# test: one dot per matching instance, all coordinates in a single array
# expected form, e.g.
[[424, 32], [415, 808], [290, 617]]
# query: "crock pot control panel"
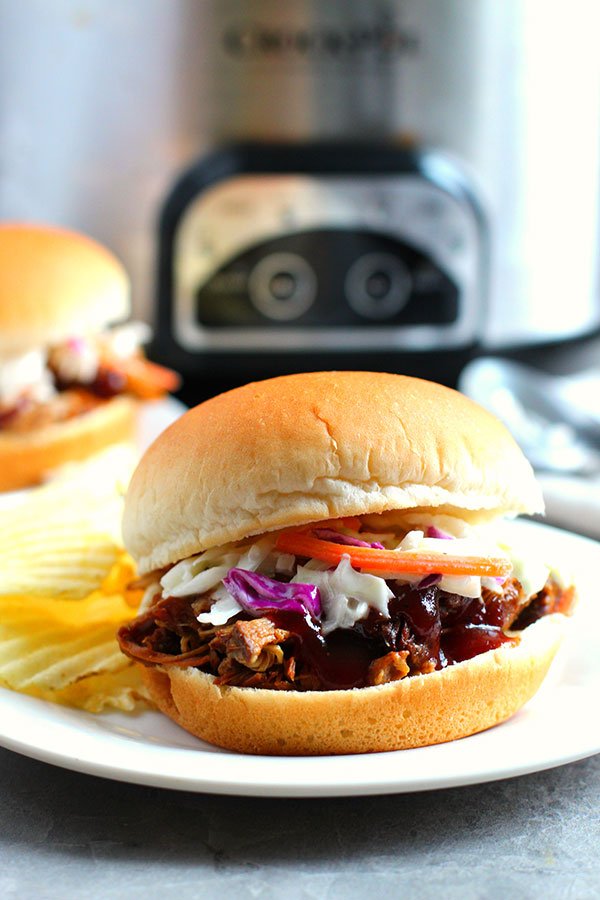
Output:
[[274, 262]]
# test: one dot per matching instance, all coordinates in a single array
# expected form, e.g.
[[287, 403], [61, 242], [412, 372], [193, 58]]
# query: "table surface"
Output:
[[66, 835]]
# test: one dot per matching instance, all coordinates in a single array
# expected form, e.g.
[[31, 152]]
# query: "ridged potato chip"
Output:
[[67, 652], [64, 592], [74, 573], [122, 690], [64, 539]]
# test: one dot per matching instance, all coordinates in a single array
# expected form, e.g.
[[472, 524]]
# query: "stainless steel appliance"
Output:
[[399, 183], [293, 256]]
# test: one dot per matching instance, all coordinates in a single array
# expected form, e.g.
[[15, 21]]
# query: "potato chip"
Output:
[[64, 592], [73, 575], [64, 539], [122, 690], [67, 652]]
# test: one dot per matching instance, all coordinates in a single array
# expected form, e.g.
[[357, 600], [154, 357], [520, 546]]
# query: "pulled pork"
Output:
[[28, 415], [391, 667], [427, 629]]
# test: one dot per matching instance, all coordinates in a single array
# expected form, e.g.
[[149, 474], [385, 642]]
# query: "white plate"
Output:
[[560, 725]]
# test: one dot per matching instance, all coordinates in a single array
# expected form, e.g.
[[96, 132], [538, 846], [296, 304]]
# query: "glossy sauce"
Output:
[[421, 611], [340, 661], [466, 641]]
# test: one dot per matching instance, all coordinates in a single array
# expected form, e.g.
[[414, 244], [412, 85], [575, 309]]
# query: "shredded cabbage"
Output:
[[346, 595], [429, 581], [411, 541], [223, 609], [198, 574], [200, 583], [256, 554], [257, 594], [182, 579], [465, 585], [434, 532], [284, 563], [492, 584], [531, 572]]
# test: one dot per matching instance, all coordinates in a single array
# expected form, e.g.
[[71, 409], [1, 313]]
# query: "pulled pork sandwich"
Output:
[[322, 570], [69, 383]]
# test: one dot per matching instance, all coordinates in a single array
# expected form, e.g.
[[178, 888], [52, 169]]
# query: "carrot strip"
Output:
[[412, 561]]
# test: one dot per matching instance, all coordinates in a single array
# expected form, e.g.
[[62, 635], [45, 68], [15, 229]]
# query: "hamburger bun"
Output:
[[322, 445], [55, 284], [26, 458], [424, 709]]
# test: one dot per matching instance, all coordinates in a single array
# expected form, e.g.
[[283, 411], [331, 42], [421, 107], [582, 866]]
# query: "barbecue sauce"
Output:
[[340, 661], [466, 641]]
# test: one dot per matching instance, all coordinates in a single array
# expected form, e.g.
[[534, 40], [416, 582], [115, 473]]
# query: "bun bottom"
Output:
[[417, 711], [26, 458]]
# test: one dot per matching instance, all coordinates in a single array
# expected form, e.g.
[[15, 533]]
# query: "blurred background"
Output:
[[401, 184]]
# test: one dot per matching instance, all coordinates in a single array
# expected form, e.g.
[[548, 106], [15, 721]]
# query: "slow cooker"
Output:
[[400, 184]]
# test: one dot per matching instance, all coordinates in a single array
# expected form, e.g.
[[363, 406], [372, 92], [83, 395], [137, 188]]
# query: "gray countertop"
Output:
[[66, 835]]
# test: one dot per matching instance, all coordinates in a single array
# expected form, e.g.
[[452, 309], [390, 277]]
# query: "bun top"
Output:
[[304, 448], [55, 284]]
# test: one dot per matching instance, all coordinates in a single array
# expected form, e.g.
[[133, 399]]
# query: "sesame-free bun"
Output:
[[55, 284], [26, 458], [423, 709], [304, 448]]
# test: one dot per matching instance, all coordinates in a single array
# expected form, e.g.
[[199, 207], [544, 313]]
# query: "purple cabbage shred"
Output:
[[257, 594], [328, 534], [428, 581], [433, 532]]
